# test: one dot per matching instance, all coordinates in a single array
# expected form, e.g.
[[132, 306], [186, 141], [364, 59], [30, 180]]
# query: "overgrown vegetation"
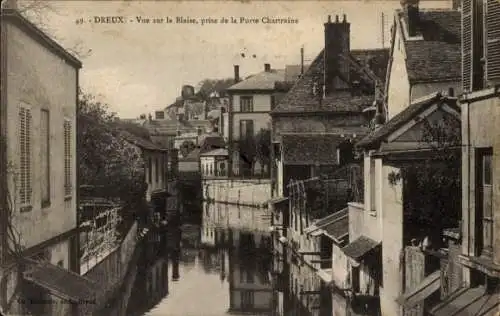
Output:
[[256, 149], [107, 161], [432, 185]]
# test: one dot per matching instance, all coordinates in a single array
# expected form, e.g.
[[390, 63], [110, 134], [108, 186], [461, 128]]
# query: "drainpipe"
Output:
[[466, 275], [230, 136]]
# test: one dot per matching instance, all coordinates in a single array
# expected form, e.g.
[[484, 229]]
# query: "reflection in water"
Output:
[[223, 267]]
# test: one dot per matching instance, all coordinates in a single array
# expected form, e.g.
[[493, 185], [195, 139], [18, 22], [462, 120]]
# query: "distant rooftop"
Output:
[[261, 81]]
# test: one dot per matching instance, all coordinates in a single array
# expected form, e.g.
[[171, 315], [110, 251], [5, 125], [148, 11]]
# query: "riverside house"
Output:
[[421, 129], [425, 52], [328, 107], [251, 100], [472, 286], [313, 130], [38, 161]]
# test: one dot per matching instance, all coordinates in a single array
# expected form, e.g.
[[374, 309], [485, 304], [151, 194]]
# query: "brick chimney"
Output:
[[412, 15], [236, 73], [267, 67], [337, 42]]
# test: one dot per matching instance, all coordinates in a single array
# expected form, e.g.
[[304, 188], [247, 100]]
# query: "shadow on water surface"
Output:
[[221, 267]]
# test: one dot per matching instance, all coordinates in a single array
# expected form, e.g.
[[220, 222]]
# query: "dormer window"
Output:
[[355, 89]]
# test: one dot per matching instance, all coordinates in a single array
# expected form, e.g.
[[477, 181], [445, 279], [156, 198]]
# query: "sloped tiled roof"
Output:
[[140, 142], [405, 116], [335, 225], [437, 57], [292, 72], [61, 281], [310, 149], [261, 81], [358, 248], [300, 98], [170, 127]]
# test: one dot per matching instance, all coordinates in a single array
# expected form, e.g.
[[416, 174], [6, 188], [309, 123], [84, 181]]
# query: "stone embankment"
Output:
[[243, 192]]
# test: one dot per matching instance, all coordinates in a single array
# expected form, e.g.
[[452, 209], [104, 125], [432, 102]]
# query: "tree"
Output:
[[207, 86], [186, 148], [106, 159], [432, 186], [263, 148]]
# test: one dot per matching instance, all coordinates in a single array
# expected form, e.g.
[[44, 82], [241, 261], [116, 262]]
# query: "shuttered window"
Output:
[[246, 129], [45, 157], [67, 158], [493, 41], [25, 154], [157, 169], [150, 170], [246, 103], [467, 45]]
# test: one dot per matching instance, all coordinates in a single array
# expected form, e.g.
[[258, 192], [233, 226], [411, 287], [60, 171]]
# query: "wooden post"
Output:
[[414, 274]]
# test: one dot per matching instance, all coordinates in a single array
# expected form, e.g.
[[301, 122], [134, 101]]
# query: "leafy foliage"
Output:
[[257, 148], [186, 148], [107, 160], [208, 86], [263, 147], [432, 186]]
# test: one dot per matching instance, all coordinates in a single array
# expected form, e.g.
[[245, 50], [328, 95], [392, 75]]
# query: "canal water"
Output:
[[221, 267]]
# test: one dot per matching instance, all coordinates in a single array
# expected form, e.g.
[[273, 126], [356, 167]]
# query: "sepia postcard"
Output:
[[261, 158]]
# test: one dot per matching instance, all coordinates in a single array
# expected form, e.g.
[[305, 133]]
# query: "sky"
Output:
[[139, 68]]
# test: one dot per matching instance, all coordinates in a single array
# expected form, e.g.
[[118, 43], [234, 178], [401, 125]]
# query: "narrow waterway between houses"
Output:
[[221, 267]]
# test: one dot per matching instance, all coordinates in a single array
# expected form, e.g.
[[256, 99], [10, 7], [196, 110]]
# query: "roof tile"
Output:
[[310, 149], [404, 116], [261, 81], [358, 248], [301, 99], [438, 55]]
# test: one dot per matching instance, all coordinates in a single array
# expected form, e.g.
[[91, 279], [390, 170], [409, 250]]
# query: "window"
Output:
[[477, 46], [355, 279], [25, 147], [246, 104], [45, 157], [247, 299], [67, 158], [492, 41], [484, 214], [373, 185], [150, 170], [246, 129], [157, 170], [161, 169], [222, 169], [60, 263]]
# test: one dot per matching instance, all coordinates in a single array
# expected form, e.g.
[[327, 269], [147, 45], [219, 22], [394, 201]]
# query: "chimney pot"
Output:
[[336, 18], [236, 73], [267, 67], [345, 19]]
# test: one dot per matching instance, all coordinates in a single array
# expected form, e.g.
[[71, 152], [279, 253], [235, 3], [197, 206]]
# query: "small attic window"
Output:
[[355, 88]]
